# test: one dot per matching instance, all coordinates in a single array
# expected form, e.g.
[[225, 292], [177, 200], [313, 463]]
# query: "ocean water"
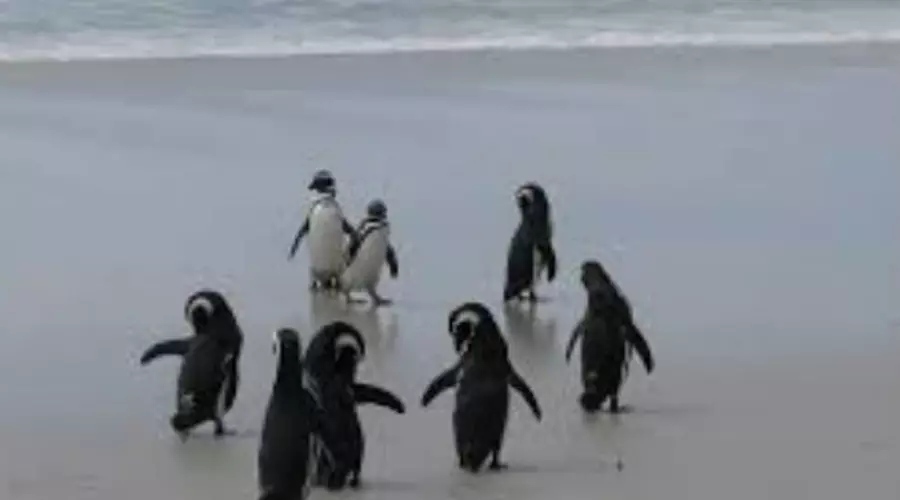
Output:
[[66, 29]]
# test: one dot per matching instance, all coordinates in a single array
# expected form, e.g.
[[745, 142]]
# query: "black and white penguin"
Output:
[[294, 436], [531, 249], [327, 228], [368, 253], [608, 335], [483, 375], [331, 363], [209, 377]]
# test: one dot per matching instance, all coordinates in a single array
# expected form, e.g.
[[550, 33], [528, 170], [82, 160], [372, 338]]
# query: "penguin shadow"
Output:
[[532, 338]]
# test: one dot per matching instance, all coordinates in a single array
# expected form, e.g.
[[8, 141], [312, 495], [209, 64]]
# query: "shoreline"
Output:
[[844, 47]]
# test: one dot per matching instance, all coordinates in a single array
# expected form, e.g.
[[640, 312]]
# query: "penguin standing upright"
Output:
[[608, 334], [531, 249], [327, 228], [483, 375], [331, 362], [368, 253], [294, 435], [208, 378]]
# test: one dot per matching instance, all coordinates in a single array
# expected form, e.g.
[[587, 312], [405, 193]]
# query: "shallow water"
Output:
[[746, 202]]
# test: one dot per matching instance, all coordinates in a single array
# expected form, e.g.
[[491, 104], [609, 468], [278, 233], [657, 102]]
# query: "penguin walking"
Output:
[[209, 377], [327, 228], [531, 249], [483, 375], [608, 335], [332, 359], [368, 253], [294, 435]]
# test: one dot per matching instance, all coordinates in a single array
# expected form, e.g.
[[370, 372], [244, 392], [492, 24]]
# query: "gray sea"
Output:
[[31, 29], [734, 164]]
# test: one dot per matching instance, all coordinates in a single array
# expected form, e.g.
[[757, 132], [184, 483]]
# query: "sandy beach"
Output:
[[746, 200]]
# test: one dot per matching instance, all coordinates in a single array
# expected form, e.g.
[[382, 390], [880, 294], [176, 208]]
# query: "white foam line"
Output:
[[181, 48]]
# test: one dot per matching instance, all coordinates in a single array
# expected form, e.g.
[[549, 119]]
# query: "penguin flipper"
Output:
[[518, 383], [300, 234], [548, 255], [352, 233], [636, 339], [233, 375], [576, 334], [172, 347], [441, 383], [393, 265], [365, 393]]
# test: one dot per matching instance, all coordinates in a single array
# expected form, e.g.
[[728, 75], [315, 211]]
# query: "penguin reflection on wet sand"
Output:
[[483, 375], [332, 359], [608, 335], [368, 253], [294, 435], [531, 249], [209, 376], [327, 228]]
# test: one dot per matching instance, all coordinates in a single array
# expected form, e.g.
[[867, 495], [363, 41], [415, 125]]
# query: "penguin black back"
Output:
[[208, 377], [608, 334], [531, 249], [294, 436]]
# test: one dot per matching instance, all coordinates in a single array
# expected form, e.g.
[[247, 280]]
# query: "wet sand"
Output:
[[745, 200]]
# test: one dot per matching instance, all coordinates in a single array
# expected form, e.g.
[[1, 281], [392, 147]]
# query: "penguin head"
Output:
[[525, 198], [532, 201], [594, 277], [347, 354], [348, 347], [199, 311], [377, 209], [286, 344], [466, 321], [323, 182]]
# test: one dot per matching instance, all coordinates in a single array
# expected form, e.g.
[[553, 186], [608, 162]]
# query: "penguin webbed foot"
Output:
[[221, 431], [354, 481], [378, 300], [496, 464], [617, 409], [591, 402]]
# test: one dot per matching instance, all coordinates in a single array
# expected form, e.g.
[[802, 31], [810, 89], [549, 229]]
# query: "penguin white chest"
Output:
[[365, 269], [326, 238]]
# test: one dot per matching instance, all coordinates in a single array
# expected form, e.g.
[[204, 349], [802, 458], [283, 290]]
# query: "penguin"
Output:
[[531, 249], [209, 376], [327, 228], [294, 435], [483, 375], [332, 359], [368, 253], [608, 335]]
